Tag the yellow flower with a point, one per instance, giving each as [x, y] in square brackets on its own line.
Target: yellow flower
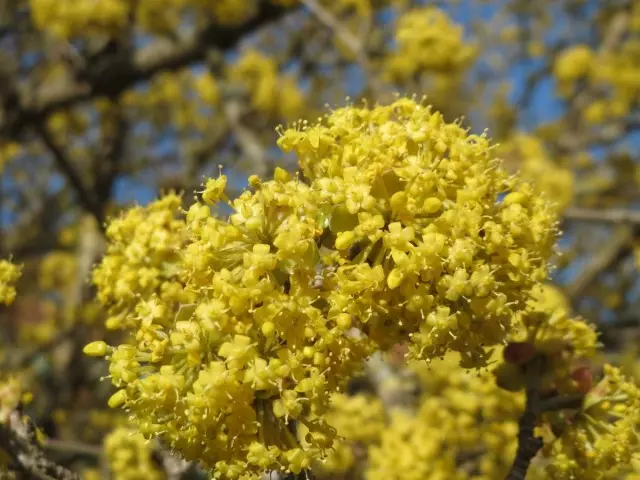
[548, 326]
[9, 275]
[359, 421]
[271, 93]
[573, 63]
[462, 415]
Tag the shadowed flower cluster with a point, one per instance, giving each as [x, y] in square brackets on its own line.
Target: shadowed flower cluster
[9, 275]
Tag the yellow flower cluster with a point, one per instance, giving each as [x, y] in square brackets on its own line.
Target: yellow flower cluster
[142, 261]
[271, 93]
[602, 437]
[413, 448]
[110, 17]
[629, 360]
[359, 420]
[620, 73]
[404, 226]
[428, 235]
[129, 456]
[9, 275]
[633, 472]
[428, 40]
[573, 63]
[58, 269]
[535, 165]
[466, 427]
[564, 340]
[224, 360]
[66, 20]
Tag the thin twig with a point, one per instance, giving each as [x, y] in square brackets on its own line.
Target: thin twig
[561, 402]
[18, 441]
[528, 443]
[352, 42]
[71, 447]
[328, 19]
[613, 249]
[248, 141]
[86, 198]
[108, 161]
[612, 215]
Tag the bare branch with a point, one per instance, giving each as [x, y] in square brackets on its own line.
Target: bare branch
[248, 141]
[613, 215]
[71, 447]
[328, 19]
[18, 440]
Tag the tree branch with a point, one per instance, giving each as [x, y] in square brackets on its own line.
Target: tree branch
[18, 440]
[528, 443]
[326, 18]
[353, 43]
[612, 250]
[248, 141]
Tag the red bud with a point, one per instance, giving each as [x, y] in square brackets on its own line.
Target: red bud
[519, 352]
[583, 377]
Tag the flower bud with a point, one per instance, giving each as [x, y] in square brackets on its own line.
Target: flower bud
[96, 349]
